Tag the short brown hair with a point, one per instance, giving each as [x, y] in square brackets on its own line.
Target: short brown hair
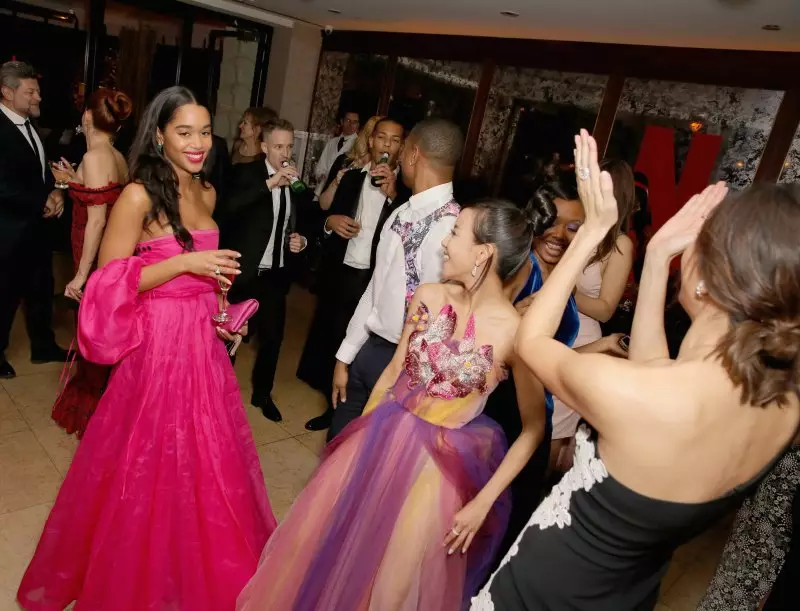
[275, 125]
[749, 260]
[109, 108]
[11, 73]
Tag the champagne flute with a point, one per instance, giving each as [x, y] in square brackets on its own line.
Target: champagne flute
[60, 174]
[222, 316]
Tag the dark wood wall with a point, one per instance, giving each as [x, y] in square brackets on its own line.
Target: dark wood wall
[746, 69]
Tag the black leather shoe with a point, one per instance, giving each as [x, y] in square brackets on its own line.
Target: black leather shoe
[6, 370]
[53, 354]
[320, 423]
[267, 407]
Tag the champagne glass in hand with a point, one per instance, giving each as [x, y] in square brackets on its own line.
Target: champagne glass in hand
[61, 174]
[225, 281]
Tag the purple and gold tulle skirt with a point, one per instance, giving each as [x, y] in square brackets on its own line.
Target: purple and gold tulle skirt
[367, 532]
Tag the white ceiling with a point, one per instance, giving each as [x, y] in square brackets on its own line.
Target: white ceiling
[731, 24]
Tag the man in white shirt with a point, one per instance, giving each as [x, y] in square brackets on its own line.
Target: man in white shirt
[264, 216]
[27, 198]
[350, 238]
[409, 254]
[349, 123]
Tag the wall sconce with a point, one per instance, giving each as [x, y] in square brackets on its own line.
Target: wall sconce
[696, 126]
[740, 164]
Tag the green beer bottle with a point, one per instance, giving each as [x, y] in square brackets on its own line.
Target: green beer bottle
[295, 184]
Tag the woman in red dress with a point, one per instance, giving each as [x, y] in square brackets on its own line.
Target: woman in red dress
[95, 187]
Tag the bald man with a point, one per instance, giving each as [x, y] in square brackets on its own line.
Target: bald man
[409, 254]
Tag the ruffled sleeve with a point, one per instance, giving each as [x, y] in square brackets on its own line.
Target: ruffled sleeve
[109, 318]
[95, 197]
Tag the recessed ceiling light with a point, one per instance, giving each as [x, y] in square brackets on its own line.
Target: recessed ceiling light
[509, 13]
[771, 27]
[334, 11]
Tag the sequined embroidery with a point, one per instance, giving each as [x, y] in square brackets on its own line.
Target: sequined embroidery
[412, 234]
[446, 370]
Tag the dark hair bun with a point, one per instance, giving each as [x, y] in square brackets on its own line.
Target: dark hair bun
[541, 212]
[748, 258]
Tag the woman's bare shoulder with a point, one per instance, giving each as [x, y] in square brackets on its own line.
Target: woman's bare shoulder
[134, 199]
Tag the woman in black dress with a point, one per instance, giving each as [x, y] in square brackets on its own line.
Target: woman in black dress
[668, 446]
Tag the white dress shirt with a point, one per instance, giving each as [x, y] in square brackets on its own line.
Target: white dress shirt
[382, 309]
[19, 121]
[330, 153]
[370, 205]
[266, 260]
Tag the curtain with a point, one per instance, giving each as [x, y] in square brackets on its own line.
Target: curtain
[137, 48]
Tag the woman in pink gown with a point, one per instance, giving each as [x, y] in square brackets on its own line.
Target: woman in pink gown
[164, 506]
[408, 507]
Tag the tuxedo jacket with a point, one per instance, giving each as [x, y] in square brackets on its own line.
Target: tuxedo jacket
[249, 216]
[346, 202]
[23, 192]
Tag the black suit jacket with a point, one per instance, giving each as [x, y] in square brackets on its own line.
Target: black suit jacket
[23, 193]
[249, 216]
[346, 202]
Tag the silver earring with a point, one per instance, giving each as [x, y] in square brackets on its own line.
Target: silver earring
[160, 148]
[700, 289]
[475, 269]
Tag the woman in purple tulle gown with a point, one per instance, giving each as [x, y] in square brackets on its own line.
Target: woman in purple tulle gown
[408, 507]
[164, 506]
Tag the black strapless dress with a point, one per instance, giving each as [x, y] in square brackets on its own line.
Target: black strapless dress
[594, 544]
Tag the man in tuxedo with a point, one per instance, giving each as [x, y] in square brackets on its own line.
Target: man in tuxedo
[350, 240]
[27, 200]
[349, 124]
[263, 215]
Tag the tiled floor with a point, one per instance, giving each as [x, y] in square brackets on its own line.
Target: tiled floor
[35, 454]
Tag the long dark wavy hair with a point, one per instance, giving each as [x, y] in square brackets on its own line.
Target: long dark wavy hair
[150, 168]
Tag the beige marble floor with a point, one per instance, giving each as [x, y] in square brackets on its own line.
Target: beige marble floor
[35, 455]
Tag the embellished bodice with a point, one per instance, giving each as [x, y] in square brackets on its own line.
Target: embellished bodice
[445, 381]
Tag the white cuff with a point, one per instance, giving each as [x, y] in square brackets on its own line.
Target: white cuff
[325, 227]
[347, 353]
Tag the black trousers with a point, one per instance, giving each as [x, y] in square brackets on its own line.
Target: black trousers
[26, 276]
[367, 367]
[270, 289]
[340, 289]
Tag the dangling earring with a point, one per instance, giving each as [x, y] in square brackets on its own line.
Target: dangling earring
[475, 269]
[160, 147]
[700, 290]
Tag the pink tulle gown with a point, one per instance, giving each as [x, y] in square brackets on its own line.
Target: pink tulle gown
[164, 507]
[367, 532]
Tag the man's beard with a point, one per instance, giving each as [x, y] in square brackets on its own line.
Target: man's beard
[34, 112]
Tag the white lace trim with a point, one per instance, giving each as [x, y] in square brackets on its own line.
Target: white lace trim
[587, 470]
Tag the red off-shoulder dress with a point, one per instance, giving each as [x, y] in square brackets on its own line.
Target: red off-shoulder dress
[79, 398]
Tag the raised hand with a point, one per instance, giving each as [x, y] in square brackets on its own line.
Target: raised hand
[679, 232]
[387, 179]
[595, 188]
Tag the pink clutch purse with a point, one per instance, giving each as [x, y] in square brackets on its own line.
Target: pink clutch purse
[240, 313]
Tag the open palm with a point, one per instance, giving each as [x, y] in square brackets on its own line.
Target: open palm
[679, 232]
